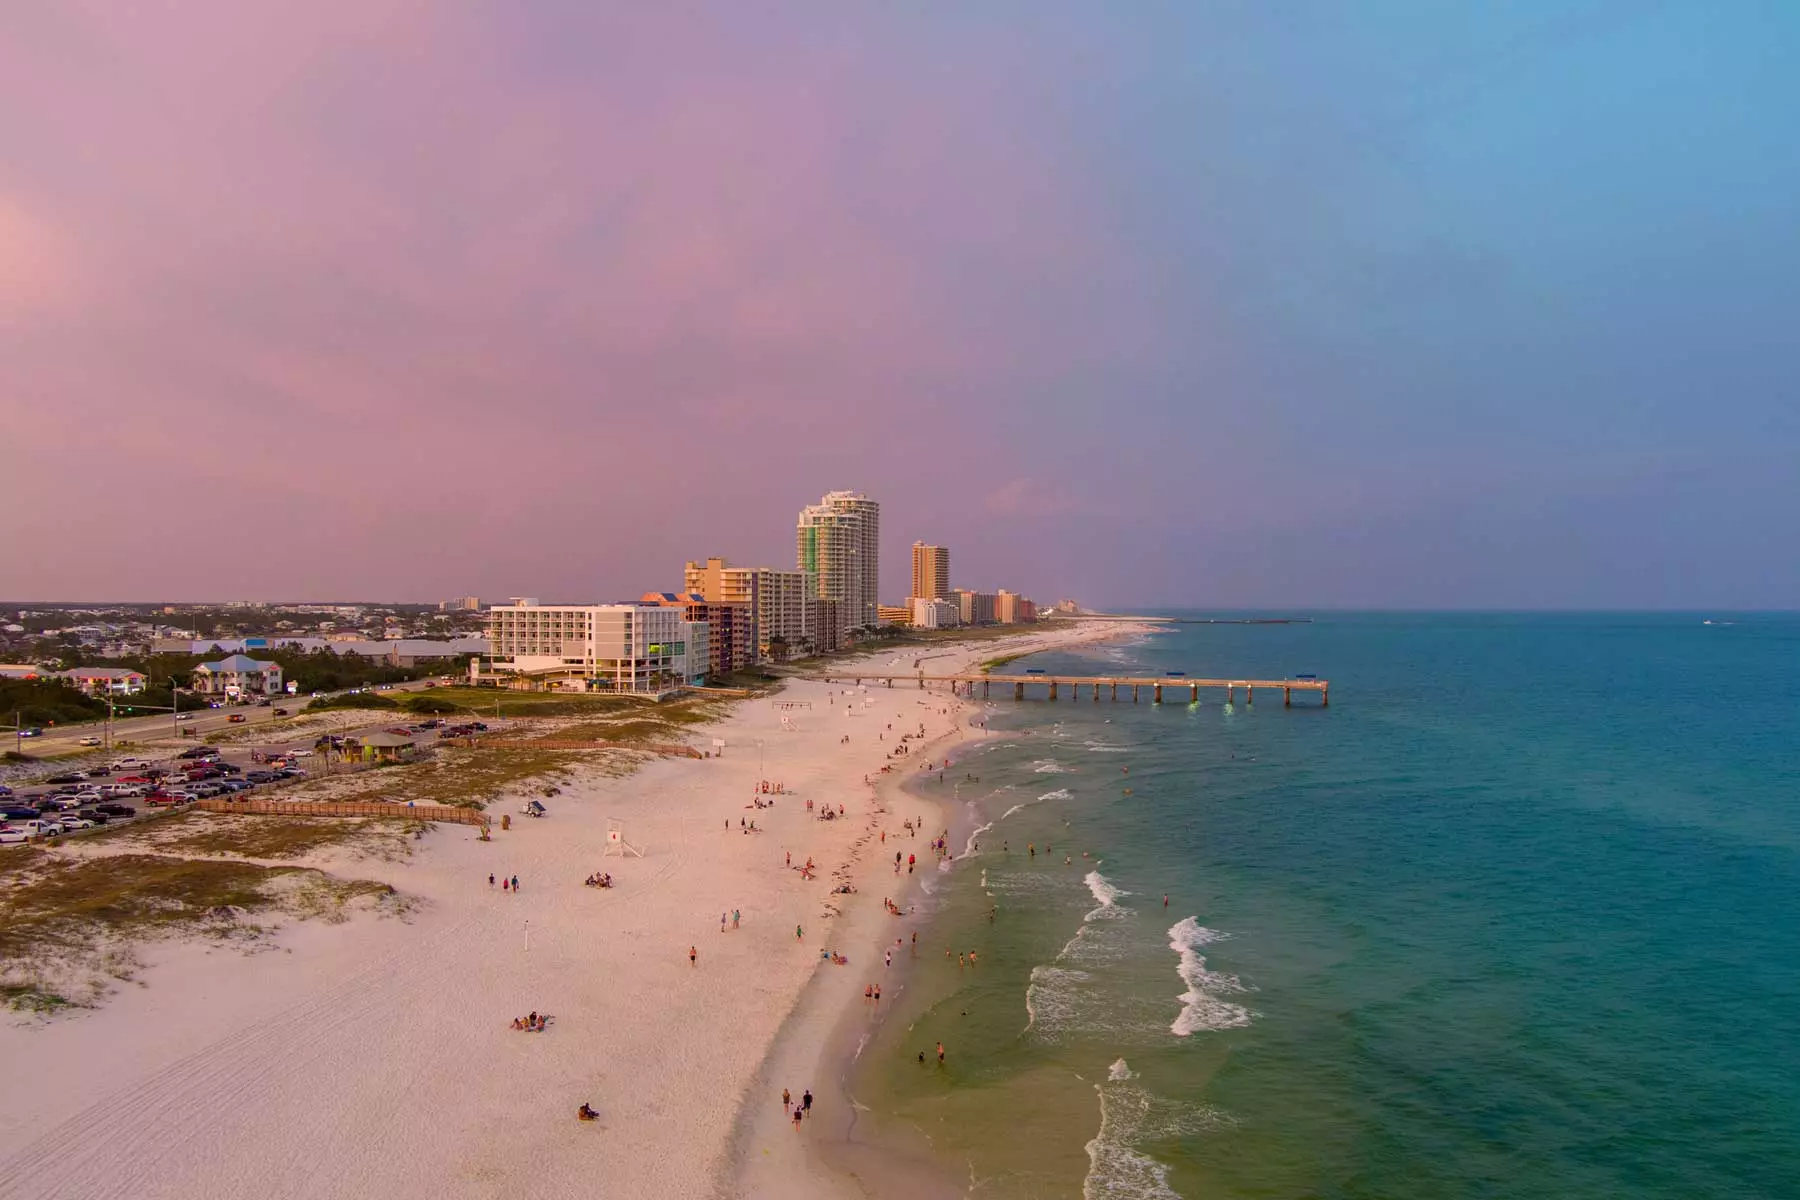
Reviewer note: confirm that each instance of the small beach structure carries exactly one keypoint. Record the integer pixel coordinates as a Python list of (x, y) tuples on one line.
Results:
[(386, 747)]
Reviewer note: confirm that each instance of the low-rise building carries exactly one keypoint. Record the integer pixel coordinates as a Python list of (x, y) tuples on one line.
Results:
[(237, 676), (637, 649), (102, 681), (934, 614), (895, 614)]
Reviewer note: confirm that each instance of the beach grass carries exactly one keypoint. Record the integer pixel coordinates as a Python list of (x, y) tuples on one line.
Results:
[(68, 921)]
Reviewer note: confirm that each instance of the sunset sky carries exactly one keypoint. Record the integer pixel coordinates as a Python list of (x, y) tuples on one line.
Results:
[(1233, 303)]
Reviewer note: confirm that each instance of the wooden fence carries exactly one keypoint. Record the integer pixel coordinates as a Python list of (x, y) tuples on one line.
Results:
[(346, 808), (665, 748)]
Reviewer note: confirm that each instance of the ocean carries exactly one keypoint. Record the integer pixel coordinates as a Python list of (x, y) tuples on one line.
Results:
[(1517, 915)]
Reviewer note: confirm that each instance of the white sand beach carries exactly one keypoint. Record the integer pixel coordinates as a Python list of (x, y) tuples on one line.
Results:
[(376, 1057)]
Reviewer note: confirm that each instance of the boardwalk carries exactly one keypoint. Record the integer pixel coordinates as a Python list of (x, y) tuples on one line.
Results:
[(1155, 685)]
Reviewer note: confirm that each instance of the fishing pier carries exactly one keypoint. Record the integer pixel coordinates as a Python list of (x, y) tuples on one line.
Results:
[(1155, 685)]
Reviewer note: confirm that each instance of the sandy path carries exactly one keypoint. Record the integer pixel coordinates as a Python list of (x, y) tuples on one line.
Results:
[(375, 1058)]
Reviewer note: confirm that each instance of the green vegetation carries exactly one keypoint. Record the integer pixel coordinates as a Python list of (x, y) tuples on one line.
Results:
[(991, 663), (47, 702), (482, 701), (426, 702), (352, 700)]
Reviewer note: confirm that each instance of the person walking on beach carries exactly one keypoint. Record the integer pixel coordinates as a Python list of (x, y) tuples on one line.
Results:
[(787, 1100), (799, 933), (515, 885), (797, 1113), (490, 879), (693, 956), (806, 1100), (940, 1054), (737, 914), (878, 995), (505, 884), (721, 922), (890, 959)]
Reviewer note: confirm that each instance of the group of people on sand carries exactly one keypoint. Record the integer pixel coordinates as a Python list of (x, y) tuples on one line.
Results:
[(532, 1024), (764, 787), (506, 884), (800, 1109), (833, 956), (599, 879)]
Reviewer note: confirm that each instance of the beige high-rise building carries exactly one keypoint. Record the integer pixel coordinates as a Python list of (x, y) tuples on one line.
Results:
[(838, 541), (931, 572), (776, 601)]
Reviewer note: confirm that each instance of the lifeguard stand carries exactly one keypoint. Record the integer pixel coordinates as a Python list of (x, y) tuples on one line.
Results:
[(616, 843)]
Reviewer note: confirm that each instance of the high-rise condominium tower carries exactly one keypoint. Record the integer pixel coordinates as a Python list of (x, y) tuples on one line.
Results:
[(838, 540), (931, 572)]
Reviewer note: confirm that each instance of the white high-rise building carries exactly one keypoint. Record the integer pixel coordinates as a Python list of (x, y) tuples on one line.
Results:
[(838, 541), (636, 648)]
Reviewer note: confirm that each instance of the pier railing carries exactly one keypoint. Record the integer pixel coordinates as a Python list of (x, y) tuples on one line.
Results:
[(965, 684), (347, 808)]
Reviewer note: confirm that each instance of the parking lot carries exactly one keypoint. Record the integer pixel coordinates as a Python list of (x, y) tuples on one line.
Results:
[(119, 791)]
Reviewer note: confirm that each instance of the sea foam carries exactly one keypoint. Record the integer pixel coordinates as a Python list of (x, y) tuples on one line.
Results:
[(1201, 1005), (1107, 897)]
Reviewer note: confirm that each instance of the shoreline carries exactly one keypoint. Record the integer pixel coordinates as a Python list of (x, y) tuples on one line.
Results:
[(823, 1035), (303, 1063)]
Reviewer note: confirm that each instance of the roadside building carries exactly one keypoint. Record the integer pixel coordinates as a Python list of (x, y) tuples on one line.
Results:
[(102, 681), (461, 604), (385, 746), (730, 637), (238, 676), (635, 649), (22, 671)]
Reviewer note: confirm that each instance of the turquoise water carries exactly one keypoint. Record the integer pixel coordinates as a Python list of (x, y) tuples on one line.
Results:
[(1518, 915)]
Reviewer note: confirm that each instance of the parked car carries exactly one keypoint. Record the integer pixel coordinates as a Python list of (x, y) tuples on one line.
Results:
[(236, 718), (165, 799), (4, 791), (90, 740), (68, 777), (116, 810), (17, 812), (42, 827), (94, 815), (73, 822), (281, 712), (12, 837), (66, 803), (303, 752), (89, 796), (101, 771)]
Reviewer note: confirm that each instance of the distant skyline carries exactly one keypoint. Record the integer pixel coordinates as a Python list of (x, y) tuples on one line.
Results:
[(1296, 306)]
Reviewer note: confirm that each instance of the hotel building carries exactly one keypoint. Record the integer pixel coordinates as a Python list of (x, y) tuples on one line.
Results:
[(934, 614), (838, 542), (777, 601), (930, 572), (976, 608), (730, 637), (1011, 609), (637, 649)]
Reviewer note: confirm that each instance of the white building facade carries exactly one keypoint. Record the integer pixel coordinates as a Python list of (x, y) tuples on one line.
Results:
[(638, 649), (935, 614), (838, 541)]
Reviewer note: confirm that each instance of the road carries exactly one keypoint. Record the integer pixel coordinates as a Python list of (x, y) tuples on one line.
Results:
[(62, 739)]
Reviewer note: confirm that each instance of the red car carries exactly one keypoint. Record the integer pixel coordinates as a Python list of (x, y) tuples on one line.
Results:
[(236, 718)]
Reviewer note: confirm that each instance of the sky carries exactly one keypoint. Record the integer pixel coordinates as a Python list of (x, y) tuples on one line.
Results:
[(1223, 303)]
